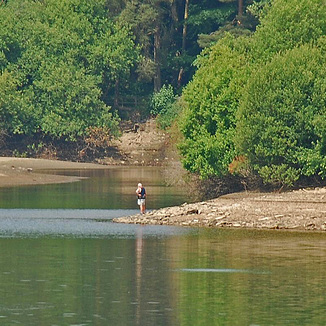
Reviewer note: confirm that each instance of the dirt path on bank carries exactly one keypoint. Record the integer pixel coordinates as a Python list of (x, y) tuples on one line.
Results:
[(142, 144)]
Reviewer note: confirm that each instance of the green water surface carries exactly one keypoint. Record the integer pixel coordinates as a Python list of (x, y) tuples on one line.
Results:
[(63, 262), (205, 277)]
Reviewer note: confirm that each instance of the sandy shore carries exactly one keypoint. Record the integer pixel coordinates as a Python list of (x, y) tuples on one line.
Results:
[(28, 171)]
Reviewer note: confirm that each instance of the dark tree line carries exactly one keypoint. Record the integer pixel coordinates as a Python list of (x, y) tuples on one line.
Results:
[(69, 66)]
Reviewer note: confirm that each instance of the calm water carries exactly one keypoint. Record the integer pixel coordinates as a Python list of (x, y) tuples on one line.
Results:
[(113, 188), (69, 264)]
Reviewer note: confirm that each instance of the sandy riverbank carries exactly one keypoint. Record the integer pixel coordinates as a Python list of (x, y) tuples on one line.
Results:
[(145, 147), (28, 171)]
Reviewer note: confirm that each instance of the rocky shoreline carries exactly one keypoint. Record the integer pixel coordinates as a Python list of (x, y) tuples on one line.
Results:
[(299, 210)]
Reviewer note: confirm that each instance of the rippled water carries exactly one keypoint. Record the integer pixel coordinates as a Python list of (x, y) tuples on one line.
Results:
[(151, 275), (63, 262)]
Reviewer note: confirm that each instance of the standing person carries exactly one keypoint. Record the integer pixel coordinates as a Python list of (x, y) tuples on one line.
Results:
[(141, 195)]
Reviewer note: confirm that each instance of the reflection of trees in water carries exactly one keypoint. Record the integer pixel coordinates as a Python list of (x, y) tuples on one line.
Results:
[(139, 253), (111, 188)]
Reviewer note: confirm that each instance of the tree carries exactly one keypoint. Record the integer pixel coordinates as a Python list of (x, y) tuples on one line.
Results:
[(237, 20), (167, 32), (287, 24), (304, 24), (281, 124), (247, 73), (147, 21), (60, 59), (201, 17), (184, 39), (211, 101)]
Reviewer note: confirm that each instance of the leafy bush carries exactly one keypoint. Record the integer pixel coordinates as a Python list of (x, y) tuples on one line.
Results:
[(281, 122), (165, 106), (169, 116), (162, 100), (210, 103), (58, 61)]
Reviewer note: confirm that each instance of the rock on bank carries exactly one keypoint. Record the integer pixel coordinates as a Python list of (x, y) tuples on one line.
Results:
[(296, 210)]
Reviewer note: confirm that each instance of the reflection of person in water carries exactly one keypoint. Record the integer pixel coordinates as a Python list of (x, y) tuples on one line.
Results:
[(141, 195), (139, 260)]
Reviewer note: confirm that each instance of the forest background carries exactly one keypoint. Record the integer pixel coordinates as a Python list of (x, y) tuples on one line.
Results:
[(241, 81)]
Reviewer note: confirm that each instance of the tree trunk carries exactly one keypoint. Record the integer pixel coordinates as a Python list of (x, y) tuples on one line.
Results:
[(116, 93), (157, 45), (174, 13), (184, 39), (184, 31), (240, 8)]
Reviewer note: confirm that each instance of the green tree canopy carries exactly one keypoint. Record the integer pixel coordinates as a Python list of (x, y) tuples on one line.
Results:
[(288, 24), (211, 100), (60, 58), (281, 122), (278, 89)]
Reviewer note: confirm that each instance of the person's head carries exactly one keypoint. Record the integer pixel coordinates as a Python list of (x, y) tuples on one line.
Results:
[(140, 185)]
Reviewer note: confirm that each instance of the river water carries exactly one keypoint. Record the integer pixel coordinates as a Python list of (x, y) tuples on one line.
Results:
[(63, 262)]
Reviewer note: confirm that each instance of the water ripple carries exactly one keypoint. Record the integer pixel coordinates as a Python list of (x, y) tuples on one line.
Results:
[(75, 222), (221, 270)]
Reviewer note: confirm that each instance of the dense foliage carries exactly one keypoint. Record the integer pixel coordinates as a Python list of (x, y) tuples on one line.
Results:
[(167, 32), (281, 126), (65, 63), (208, 122), (259, 101), (57, 58), (254, 105)]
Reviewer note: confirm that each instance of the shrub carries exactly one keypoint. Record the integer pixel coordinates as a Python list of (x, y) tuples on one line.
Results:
[(210, 102), (281, 126), (162, 100), (165, 106)]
